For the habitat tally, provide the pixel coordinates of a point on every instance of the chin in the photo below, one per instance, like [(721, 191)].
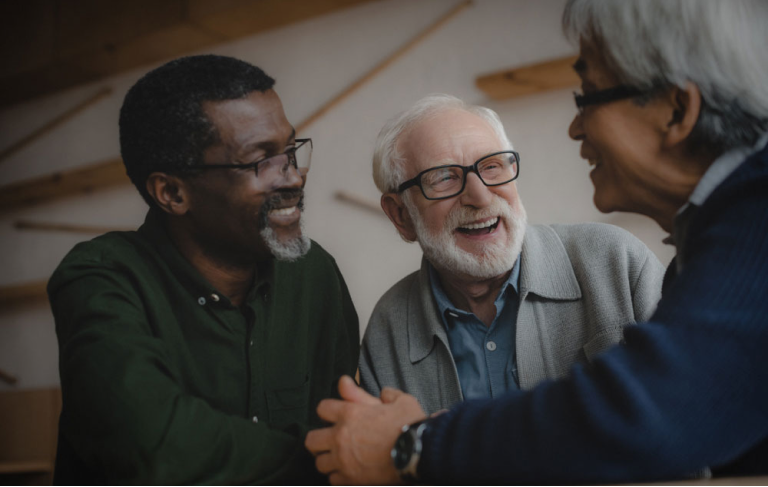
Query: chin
[(286, 249)]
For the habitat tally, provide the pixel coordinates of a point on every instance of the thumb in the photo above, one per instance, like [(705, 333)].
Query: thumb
[(389, 394), (349, 391)]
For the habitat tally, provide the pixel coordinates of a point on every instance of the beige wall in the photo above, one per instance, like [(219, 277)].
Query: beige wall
[(312, 61)]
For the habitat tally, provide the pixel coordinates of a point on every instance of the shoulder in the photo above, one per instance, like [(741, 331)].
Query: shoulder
[(104, 253), (604, 236), (599, 249), (391, 311)]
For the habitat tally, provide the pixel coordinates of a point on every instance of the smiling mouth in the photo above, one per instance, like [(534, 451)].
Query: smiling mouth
[(480, 228), (283, 211)]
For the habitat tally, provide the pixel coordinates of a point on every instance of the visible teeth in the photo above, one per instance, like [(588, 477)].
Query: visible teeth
[(475, 226), (283, 211)]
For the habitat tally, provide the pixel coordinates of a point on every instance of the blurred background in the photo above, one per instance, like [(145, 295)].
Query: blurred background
[(343, 67)]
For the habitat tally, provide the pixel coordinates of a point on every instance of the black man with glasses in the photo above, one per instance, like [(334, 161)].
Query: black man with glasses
[(497, 305), (196, 349)]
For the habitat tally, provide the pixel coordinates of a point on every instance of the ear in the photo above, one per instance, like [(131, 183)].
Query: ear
[(686, 107), (169, 192), (395, 209)]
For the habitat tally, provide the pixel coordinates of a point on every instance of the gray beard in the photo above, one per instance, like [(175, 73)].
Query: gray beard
[(496, 258), (290, 250)]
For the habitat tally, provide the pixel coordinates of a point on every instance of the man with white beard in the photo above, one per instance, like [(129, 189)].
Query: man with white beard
[(497, 305)]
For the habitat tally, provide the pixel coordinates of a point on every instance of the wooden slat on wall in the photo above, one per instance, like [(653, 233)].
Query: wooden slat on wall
[(61, 184), (527, 80), (28, 436), (18, 294)]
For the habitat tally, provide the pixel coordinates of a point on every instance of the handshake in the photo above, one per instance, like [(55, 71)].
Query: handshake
[(356, 449)]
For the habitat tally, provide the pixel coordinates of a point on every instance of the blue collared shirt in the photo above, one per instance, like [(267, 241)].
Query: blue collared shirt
[(484, 356)]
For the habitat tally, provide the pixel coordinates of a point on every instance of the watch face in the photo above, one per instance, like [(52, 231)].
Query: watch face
[(403, 450)]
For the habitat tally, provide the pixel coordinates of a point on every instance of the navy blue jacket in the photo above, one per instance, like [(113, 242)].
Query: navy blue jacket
[(688, 390)]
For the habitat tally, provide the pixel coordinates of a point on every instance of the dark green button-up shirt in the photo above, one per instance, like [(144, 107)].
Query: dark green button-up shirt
[(165, 381)]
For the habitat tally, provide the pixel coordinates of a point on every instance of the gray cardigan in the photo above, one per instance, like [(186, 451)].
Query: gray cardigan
[(579, 286)]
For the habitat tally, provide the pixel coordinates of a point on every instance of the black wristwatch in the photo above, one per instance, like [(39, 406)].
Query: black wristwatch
[(407, 450)]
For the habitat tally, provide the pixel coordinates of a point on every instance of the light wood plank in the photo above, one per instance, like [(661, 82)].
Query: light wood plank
[(360, 202), (25, 467), (55, 122), (17, 294), (357, 84), (527, 80), (62, 184), (8, 378)]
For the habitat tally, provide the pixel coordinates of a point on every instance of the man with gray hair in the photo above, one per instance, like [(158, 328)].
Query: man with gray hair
[(497, 305), (673, 117)]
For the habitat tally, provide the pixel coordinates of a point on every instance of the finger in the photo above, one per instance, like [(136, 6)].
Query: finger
[(438, 413), (389, 394), (351, 392), (326, 463), (331, 410), (319, 441)]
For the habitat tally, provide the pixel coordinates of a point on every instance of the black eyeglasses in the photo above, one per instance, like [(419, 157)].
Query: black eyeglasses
[(442, 182), (299, 156), (607, 95)]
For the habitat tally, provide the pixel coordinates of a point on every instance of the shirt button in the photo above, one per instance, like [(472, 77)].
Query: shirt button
[(251, 342), (215, 298), (255, 419), (491, 346), (201, 301)]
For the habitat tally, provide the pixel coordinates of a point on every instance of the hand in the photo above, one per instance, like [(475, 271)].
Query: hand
[(357, 448)]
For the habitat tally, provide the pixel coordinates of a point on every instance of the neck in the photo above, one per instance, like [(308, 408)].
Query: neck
[(473, 295), (233, 279), (677, 188)]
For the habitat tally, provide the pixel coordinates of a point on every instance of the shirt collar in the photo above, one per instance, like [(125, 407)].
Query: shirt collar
[(444, 303), (713, 177), (155, 232)]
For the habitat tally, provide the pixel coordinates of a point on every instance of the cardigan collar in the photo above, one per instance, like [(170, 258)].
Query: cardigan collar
[(545, 270)]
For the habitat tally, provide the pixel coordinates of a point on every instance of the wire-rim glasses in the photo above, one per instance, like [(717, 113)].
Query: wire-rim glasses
[(441, 182), (299, 156)]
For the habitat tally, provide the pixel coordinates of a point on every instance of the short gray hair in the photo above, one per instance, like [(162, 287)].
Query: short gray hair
[(388, 163), (721, 47)]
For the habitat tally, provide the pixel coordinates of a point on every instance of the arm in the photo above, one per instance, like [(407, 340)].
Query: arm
[(646, 290), (685, 392), (125, 413)]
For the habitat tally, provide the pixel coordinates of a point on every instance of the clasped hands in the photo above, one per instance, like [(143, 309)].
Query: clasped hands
[(356, 449)]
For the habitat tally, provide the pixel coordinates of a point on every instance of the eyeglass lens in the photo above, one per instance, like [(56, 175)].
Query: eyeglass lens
[(277, 166), (444, 182)]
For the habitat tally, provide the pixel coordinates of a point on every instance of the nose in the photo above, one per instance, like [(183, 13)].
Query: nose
[(576, 129), (289, 178), (476, 194)]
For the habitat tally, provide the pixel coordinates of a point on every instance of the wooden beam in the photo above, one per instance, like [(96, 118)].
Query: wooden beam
[(110, 173), (527, 80), (67, 227), (357, 84), (25, 141), (359, 202), (61, 184), (25, 293), (8, 378)]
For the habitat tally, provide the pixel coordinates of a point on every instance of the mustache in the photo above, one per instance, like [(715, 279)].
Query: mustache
[(462, 215), (276, 199)]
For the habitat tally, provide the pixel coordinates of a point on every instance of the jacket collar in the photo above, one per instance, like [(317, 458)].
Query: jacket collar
[(545, 270)]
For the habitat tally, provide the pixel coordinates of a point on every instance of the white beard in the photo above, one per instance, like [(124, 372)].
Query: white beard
[(496, 258), (290, 250)]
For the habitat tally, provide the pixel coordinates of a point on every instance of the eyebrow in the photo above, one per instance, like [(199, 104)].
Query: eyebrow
[(267, 144)]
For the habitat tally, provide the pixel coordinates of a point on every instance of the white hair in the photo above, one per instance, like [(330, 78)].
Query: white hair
[(721, 47), (388, 163)]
